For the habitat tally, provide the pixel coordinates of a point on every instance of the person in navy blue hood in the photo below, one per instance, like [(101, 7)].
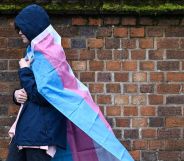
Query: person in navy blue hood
[(39, 124)]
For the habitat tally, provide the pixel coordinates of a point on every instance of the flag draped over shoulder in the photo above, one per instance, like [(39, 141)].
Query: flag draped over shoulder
[(89, 136)]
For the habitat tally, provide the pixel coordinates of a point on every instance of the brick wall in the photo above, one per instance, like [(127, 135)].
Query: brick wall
[(133, 67)]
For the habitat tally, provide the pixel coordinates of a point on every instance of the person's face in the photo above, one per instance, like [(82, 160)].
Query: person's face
[(24, 38)]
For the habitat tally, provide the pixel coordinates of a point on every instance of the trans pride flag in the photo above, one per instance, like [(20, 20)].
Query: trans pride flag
[(89, 136)]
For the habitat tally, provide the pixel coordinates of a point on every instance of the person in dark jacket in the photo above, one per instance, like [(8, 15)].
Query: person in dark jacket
[(40, 126)]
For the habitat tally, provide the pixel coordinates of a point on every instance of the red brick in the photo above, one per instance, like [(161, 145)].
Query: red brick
[(118, 133), (79, 65), (182, 44), (168, 65), (104, 77), (138, 54), (4, 143), (139, 77), (121, 100), (6, 121), (3, 42), (130, 88), (121, 32), (101, 99), (174, 122), (156, 54), (175, 76), (140, 144), (128, 21), (129, 66), (8, 32), (96, 88), (155, 31), (3, 152), (104, 54), (174, 32), (139, 100), (4, 132), (169, 133), (168, 88), (113, 111), (174, 144), (137, 32), (68, 31), (11, 53), (13, 65), (72, 54), (102, 108), (86, 54), (139, 122), (66, 42), (146, 21), (112, 43), (128, 43), (156, 76), (167, 43), (3, 110), (13, 109), (147, 88), (169, 111), (96, 65), (79, 21), (111, 21), (121, 77), (174, 54), (146, 43), (156, 144), (131, 134), (155, 99), (149, 155), (3, 65), (168, 21), (121, 122), (126, 143), (104, 32), (130, 111), (149, 133), (147, 111), (169, 156), (95, 21), (113, 88), (87, 76), (113, 65), (95, 43), (4, 86), (147, 65), (156, 122), (176, 99), (120, 54), (135, 154)]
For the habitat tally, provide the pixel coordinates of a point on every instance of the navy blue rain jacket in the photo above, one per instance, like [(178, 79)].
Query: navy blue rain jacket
[(39, 123)]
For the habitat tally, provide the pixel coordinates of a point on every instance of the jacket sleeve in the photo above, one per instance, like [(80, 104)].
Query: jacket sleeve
[(28, 82)]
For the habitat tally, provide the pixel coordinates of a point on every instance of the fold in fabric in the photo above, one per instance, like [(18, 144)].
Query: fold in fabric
[(89, 136)]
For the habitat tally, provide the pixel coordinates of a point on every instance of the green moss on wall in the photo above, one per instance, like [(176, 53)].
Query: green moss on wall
[(106, 8)]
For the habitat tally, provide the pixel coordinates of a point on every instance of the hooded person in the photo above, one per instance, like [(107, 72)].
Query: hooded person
[(39, 126), (89, 136)]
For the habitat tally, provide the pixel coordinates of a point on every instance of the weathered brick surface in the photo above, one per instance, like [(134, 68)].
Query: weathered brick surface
[(134, 69)]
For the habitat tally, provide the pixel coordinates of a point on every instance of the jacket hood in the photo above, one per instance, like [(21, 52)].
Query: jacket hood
[(32, 20)]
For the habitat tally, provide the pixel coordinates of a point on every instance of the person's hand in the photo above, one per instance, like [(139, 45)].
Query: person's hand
[(20, 95), (24, 63)]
